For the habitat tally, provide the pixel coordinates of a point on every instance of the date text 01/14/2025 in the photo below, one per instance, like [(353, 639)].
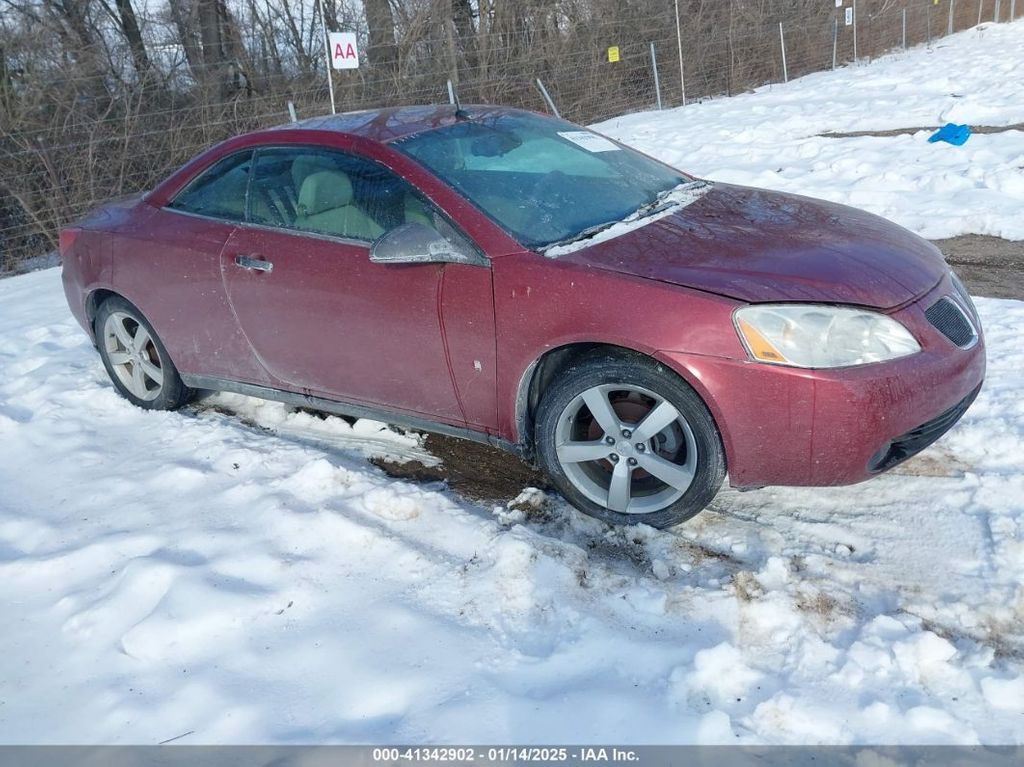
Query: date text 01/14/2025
[(499, 754)]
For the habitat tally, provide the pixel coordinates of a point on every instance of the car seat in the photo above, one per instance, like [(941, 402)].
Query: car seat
[(303, 165), (326, 204)]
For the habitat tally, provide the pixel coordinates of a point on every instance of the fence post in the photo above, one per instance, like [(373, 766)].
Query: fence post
[(327, 56), (548, 99), (679, 43), (835, 39), (782, 42), (657, 81), (1013, 9), (904, 29), (995, 12), (981, 4), (952, 5), (928, 24)]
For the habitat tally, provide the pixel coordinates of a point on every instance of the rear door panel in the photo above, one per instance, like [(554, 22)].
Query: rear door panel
[(168, 265)]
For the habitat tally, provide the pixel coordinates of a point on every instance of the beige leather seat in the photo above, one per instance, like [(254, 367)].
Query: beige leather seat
[(326, 205), (302, 166), (275, 202)]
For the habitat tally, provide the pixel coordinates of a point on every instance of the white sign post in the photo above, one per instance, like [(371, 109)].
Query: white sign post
[(344, 50), (851, 21), (327, 55), (340, 50)]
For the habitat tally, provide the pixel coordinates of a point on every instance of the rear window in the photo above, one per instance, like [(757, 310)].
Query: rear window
[(220, 191)]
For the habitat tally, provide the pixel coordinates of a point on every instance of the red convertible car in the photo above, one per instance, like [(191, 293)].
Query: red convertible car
[(515, 279)]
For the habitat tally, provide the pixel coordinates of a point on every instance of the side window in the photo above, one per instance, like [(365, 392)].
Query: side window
[(220, 191), (333, 193)]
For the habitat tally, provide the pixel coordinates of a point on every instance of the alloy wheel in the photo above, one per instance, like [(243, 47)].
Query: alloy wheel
[(626, 448), (133, 356)]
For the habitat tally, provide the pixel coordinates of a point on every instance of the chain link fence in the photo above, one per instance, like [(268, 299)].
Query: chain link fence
[(86, 137)]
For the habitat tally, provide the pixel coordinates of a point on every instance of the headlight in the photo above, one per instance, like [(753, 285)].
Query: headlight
[(818, 336)]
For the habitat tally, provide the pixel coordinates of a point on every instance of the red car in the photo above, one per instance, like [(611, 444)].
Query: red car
[(507, 277)]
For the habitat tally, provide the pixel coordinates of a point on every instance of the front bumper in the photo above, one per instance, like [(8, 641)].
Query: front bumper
[(790, 426), (906, 446)]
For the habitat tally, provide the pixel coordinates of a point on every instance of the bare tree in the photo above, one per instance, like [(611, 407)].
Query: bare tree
[(124, 16), (214, 54), (462, 16), (184, 15), (382, 51), (295, 34)]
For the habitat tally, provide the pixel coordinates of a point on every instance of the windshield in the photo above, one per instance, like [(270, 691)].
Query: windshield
[(544, 181)]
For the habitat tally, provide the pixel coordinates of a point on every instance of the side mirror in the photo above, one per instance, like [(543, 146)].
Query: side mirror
[(416, 243)]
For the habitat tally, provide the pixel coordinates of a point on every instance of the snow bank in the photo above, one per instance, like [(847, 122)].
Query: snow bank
[(772, 137)]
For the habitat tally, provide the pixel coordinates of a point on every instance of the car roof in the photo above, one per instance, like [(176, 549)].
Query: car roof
[(391, 124)]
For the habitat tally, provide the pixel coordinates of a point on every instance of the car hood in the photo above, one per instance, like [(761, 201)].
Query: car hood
[(755, 245)]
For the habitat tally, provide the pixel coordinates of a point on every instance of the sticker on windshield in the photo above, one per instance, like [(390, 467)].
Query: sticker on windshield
[(589, 141)]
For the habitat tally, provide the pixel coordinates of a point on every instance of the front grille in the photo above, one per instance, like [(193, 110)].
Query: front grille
[(950, 319), (913, 442)]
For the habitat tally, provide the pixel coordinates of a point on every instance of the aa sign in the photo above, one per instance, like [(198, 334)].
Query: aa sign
[(344, 52)]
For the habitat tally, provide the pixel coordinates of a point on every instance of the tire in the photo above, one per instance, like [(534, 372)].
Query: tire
[(601, 467), (144, 376)]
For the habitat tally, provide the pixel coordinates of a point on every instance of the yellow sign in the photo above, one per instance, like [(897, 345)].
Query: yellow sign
[(613, 54)]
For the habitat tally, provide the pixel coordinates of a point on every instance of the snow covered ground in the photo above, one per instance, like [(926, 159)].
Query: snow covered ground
[(251, 578), (240, 573), (772, 138)]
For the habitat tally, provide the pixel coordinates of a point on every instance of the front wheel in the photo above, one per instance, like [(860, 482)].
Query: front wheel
[(135, 358), (627, 441)]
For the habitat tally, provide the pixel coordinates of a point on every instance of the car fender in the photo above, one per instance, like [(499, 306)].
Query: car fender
[(543, 306)]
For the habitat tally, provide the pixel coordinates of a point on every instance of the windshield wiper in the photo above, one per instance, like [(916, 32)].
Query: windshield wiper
[(586, 234), (661, 202)]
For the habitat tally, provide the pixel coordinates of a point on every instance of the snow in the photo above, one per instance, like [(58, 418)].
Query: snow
[(239, 572), (772, 137)]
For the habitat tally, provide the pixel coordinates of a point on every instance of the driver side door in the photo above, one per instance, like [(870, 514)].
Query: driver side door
[(325, 320)]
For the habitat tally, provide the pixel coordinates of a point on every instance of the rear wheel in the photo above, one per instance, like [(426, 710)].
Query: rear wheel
[(628, 441), (135, 358)]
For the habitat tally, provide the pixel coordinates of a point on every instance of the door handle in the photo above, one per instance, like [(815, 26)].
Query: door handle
[(253, 264)]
